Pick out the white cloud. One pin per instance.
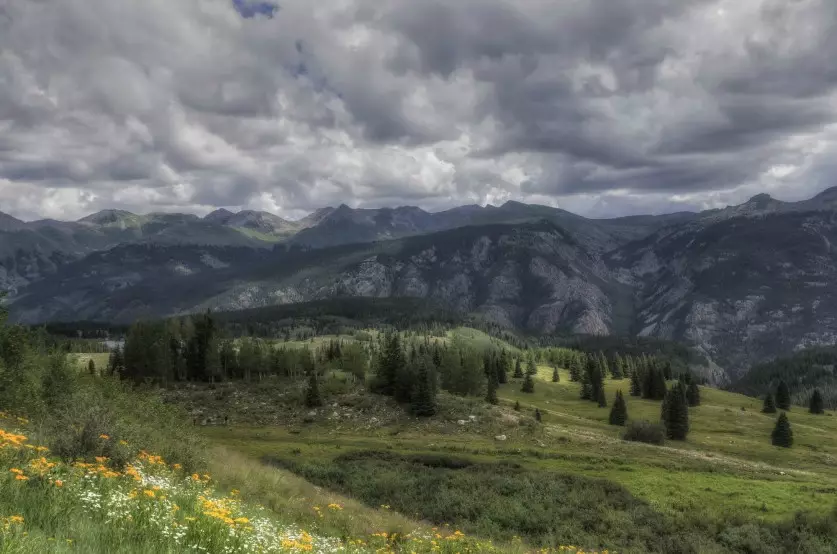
(602, 108)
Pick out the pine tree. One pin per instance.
(502, 368)
(586, 387)
(424, 396)
(91, 366)
(518, 369)
(769, 404)
(312, 392)
(675, 413)
(602, 400)
(636, 386)
(531, 368)
(575, 367)
(693, 394)
(782, 434)
(491, 393)
(528, 384)
(391, 364)
(537, 415)
(815, 406)
(604, 367)
(556, 377)
(619, 411)
(516, 405)
(618, 367)
(783, 400)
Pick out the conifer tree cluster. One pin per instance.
(675, 412)
(769, 404)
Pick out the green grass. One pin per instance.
(726, 476)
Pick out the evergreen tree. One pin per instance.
(556, 377)
(586, 387)
(491, 393)
(518, 369)
(675, 413)
(693, 394)
(575, 367)
(782, 434)
(783, 400)
(636, 386)
(391, 364)
(619, 411)
(91, 366)
(618, 367)
(503, 368)
(312, 392)
(424, 397)
(769, 404)
(516, 405)
(531, 368)
(815, 406)
(528, 384)
(602, 400)
(537, 415)
(604, 367)
(667, 370)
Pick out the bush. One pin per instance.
(645, 431)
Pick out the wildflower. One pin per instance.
(16, 470)
(16, 519)
(21, 477)
(104, 437)
(123, 442)
(59, 483)
(149, 493)
(101, 459)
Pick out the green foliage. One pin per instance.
(556, 377)
(424, 397)
(496, 500)
(816, 404)
(802, 371)
(645, 431)
(518, 369)
(693, 394)
(783, 399)
(528, 384)
(769, 404)
(782, 434)
(602, 399)
(491, 390)
(636, 386)
(531, 368)
(313, 399)
(619, 410)
(675, 412)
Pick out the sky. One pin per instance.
(600, 107)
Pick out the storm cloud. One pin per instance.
(600, 107)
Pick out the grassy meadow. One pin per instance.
(262, 473)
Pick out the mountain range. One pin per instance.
(741, 284)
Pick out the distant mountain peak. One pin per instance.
(10, 223)
(221, 215)
(108, 217)
(829, 194)
(762, 198)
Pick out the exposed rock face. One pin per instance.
(742, 284)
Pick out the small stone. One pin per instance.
(500, 437)
(461, 422)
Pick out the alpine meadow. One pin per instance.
(363, 276)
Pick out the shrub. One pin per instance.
(645, 431)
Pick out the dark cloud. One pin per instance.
(600, 106)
